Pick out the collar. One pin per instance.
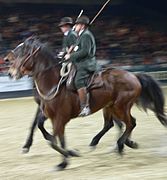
(81, 31)
(66, 33)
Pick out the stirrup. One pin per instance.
(85, 111)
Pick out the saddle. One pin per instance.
(94, 81)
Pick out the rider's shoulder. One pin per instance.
(72, 33)
(87, 33)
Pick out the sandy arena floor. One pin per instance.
(147, 162)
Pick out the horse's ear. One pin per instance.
(32, 37)
(30, 40)
(35, 36)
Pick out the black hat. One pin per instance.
(65, 21)
(82, 20)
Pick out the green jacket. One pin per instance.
(84, 52)
(69, 40)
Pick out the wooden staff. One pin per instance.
(72, 47)
(100, 11)
(80, 14)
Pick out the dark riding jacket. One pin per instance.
(84, 58)
(69, 40)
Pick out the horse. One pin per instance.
(120, 90)
(40, 117)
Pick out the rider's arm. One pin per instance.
(83, 52)
(72, 40)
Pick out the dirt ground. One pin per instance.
(149, 161)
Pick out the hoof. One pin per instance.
(73, 153)
(61, 166)
(121, 153)
(132, 144)
(135, 145)
(93, 143)
(25, 150)
(120, 149)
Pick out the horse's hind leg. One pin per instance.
(120, 126)
(29, 140)
(108, 123)
(130, 125)
(129, 142)
(122, 111)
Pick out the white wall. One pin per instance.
(8, 85)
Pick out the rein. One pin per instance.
(29, 56)
(55, 90)
(52, 93)
(65, 70)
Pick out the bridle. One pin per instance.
(25, 58)
(63, 74)
(28, 57)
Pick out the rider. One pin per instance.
(83, 57)
(70, 36)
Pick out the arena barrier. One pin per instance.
(23, 87)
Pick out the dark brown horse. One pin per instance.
(40, 117)
(120, 90)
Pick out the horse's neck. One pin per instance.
(45, 73)
(43, 63)
(47, 79)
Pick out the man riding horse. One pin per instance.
(70, 36)
(83, 57)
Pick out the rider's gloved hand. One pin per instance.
(61, 54)
(67, 57)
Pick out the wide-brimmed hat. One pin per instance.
(65, 21)
(82, 20)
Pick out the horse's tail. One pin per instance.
(152, 97)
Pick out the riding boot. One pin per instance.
(84, 101)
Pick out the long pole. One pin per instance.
(72, 47)
(80, 14)
(100, 11)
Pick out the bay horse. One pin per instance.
(40, 117)
(120, 90)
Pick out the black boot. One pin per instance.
(84, 102)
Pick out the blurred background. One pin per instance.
(130, 34)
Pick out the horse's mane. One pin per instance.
(45, 50)
(48, 54)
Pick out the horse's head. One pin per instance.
(9, 57)
(22, 57)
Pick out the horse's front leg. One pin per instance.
(29, 140)
(64, 163)
(71, 153)
(50, 138)
(58, 131)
